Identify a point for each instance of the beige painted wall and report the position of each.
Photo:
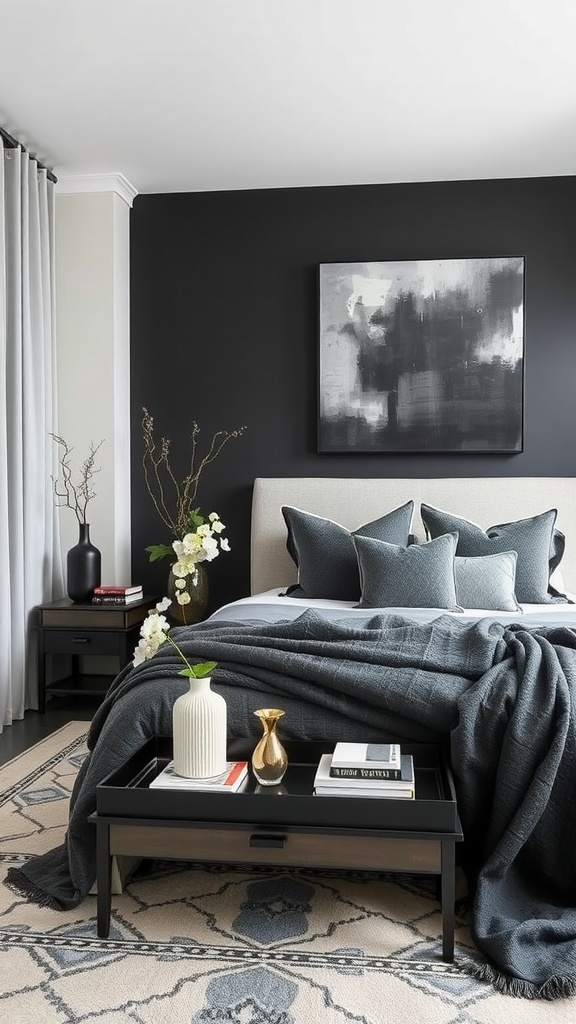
(92, 330)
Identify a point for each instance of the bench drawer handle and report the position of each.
(275, 842)
(80, 640)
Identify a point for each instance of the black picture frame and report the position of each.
(421, 356)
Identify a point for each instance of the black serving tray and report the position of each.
(126, 793)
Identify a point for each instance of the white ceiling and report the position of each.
(188, 95)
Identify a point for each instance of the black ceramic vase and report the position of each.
(83, 565)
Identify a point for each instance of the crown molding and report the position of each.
(117, 183)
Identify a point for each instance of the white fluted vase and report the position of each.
(199, 724)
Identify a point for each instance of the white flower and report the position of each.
(154, 632)
(185, 566)
(143, 652)
(152, 635)
(210, 548)
(183, 597)
(189, 546)
(180, 584)
(199, 545)
(154, 624)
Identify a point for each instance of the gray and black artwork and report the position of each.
(422, 355)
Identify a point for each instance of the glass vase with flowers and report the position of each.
(197, 538)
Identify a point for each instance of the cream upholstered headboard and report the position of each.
(485, 500)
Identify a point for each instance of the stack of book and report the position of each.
(230, 781)
(366, 769)
(117, 595)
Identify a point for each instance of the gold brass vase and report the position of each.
(269, 759)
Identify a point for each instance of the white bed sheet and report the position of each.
(273, 607)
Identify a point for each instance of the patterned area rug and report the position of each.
(196, 944)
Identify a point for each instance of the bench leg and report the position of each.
(103, 878)
(448, 896)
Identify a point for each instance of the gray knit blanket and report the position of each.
(503, 698)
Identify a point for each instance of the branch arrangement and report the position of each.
(75, 495)
(173, 499)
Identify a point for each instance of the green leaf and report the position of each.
(195, 518)
(157, 551)
(204, 669)
(199, 671)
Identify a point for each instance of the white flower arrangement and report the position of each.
(154, 632)
(198, 539)
(201, 544)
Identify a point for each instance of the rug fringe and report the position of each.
(556, 987)
(22, 886)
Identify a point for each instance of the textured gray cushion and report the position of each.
(487, 582)
(533, 539)
(419, 576)
(324, 551)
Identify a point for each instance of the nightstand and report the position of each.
(79, 630)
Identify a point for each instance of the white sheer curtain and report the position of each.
(30, 563)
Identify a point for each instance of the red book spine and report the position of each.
(234, 773)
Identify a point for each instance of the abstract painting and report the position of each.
(422, 356)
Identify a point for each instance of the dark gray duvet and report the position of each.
(501, 697)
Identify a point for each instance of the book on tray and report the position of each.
(229, 781)
(366, 761)
(115, 589)
(403, 788)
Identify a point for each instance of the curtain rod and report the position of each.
(13, 143)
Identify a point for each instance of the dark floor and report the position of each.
(59, 710)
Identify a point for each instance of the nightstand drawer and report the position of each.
(82, 641)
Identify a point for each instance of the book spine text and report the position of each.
(116, 591)
(365, 773)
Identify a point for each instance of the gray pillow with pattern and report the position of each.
(324, 551)
(418, 576)
(487, 582)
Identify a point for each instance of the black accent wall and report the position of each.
(224, 331)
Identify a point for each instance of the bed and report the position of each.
(495, 687)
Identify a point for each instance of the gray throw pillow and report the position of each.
(325, 555)
(419, 576)
(538, 548)
(487, 582)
